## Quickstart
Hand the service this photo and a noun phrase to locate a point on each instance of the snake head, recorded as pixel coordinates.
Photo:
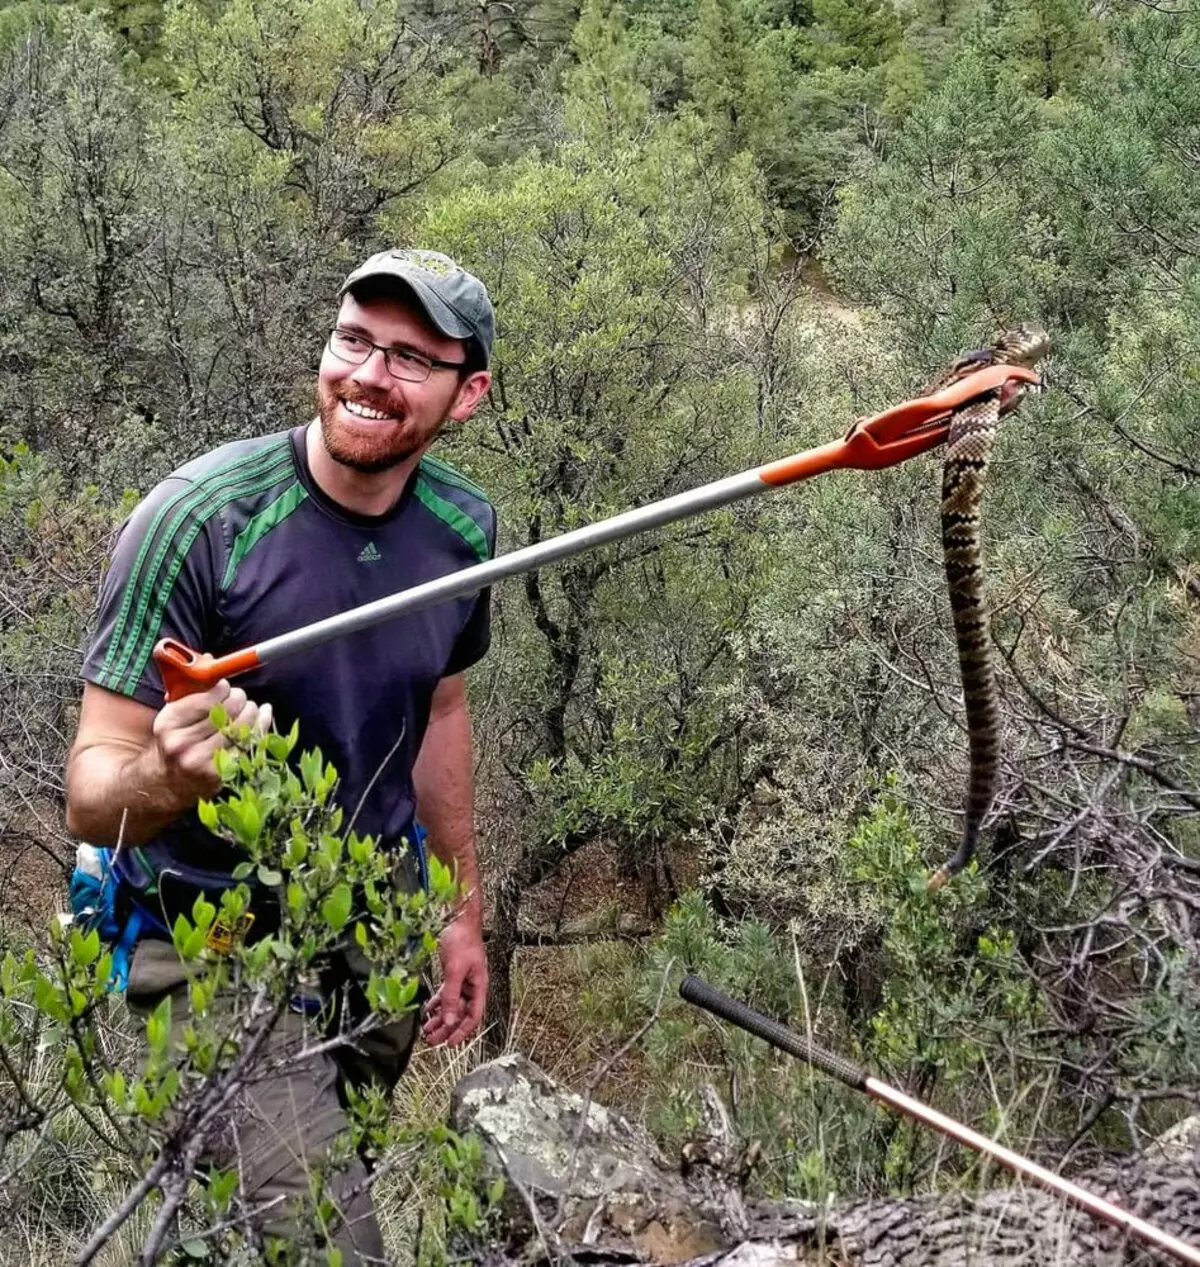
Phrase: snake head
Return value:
(1026, 345)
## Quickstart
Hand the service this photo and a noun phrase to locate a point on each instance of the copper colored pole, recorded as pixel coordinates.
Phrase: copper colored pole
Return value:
(703, 995)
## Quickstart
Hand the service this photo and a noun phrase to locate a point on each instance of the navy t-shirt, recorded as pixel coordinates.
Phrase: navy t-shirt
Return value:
(241, 545)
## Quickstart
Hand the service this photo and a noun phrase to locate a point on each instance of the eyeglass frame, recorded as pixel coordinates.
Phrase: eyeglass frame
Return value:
(433, 362)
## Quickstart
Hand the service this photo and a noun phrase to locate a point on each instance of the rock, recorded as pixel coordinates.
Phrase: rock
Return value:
(1178, 1143)
(585, 1186)
(591, 1177)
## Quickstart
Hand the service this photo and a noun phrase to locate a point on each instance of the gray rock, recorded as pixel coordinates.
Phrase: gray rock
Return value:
(586, 1186)
(582, 1174)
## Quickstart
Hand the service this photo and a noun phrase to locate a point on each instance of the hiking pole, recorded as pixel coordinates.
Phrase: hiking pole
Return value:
(871, 444)
(701, 994)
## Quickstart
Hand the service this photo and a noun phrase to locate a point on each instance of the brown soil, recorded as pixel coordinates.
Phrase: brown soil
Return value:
(34, 867)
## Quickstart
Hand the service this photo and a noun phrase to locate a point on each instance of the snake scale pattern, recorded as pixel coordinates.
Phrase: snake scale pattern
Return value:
(968, 451)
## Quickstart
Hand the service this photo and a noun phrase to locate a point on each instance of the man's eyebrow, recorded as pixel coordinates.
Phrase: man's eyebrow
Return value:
(351, 327)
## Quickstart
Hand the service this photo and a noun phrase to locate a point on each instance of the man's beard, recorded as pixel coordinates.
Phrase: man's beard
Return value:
(357, 456)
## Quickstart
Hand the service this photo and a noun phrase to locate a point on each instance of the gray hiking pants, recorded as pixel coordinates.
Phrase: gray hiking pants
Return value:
(284, 1122)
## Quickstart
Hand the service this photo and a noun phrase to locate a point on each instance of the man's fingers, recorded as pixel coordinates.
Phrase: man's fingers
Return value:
(188, 739)
(441, 1019)
(245, 712)
(236, 704)
(194, 708)
(462, 1031)
(453, 1024)
(265, 718)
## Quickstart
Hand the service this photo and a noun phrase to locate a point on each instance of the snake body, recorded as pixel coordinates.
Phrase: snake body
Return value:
(968, 451)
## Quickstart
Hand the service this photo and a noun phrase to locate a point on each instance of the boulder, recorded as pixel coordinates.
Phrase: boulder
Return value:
(583, 1185)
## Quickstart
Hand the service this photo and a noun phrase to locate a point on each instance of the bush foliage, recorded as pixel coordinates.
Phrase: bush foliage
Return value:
(716, 232)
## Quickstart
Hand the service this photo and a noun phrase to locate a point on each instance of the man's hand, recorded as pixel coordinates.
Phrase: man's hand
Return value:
(133, 769)
(455, 1011)
(185, 739)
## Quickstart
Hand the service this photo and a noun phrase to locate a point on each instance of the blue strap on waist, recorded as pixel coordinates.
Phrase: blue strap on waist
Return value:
(96, 883)
(418, 844)
(94, 890)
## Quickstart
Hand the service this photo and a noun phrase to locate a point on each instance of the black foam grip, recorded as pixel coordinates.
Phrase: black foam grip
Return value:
(701, 994)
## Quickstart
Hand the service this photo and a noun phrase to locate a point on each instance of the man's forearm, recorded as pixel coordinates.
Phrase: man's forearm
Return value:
(444, 780)
(121, 794)
(134, 769)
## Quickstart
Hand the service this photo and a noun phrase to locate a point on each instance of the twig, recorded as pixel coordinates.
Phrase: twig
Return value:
(599, 1077)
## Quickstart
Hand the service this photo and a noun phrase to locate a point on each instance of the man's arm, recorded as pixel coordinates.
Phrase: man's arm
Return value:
(132, 770)
(444, 780)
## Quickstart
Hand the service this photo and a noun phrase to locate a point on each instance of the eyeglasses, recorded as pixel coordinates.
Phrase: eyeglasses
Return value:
(404, 363)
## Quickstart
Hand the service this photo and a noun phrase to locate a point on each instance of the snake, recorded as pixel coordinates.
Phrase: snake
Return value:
(972, 434)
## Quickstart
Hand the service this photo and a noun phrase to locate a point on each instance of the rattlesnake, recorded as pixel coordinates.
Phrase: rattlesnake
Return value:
(969, 446)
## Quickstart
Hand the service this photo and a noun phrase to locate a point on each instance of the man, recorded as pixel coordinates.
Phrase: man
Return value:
(255, 539)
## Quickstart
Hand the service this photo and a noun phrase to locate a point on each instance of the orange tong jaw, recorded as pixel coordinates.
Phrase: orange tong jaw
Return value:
(184, 671)
(188, 672)
(866, 452)
(920, 424)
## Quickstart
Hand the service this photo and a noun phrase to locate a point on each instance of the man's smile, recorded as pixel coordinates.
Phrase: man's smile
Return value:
(359, 410)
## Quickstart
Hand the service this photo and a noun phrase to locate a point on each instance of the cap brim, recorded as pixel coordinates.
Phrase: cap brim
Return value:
(436, 309)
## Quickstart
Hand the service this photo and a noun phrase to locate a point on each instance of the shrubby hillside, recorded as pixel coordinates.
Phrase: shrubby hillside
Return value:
(716, 231)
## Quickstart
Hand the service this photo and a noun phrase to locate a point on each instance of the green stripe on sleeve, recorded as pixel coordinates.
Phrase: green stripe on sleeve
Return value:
(449, 514)
(132, 588)
(439, 470)
(140, 586)
(258, 527)
(236, 480)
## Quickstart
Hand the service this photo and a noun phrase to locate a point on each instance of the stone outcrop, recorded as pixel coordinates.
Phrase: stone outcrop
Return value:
(586, 1186)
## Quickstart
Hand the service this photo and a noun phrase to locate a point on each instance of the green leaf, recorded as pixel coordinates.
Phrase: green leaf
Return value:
(269, 876)
(226, 764)
(200, 995)
(181, 932)
(114, 1084)
(49, 1000)
(252, 819)
(206, 811)
(158, 1026)
(222, 1184)
(310, 769)
(85, 950)
(203, 912)
(335, 909)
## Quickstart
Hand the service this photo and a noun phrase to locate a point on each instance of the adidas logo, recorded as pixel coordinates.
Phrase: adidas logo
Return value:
(369, 554)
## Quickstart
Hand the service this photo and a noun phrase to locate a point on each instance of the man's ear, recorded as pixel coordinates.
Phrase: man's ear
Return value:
(473, 389)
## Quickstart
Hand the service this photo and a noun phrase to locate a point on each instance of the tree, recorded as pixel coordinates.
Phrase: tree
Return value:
(968, 224)
(614, 385)
(74, 153)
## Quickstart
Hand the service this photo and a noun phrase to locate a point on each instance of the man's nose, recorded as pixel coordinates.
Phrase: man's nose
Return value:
(373, 372)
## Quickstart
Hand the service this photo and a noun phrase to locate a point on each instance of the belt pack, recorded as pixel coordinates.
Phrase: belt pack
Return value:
(130, 898)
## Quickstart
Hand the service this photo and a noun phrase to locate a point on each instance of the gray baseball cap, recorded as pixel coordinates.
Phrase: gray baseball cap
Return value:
(454, 300)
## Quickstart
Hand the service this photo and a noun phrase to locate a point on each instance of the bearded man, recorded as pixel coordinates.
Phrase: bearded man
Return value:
(255, 539)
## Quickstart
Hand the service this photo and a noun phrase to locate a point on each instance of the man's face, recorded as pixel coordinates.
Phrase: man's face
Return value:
(371, 421)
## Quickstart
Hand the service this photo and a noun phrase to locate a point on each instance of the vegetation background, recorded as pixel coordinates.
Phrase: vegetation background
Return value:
(715, 232)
